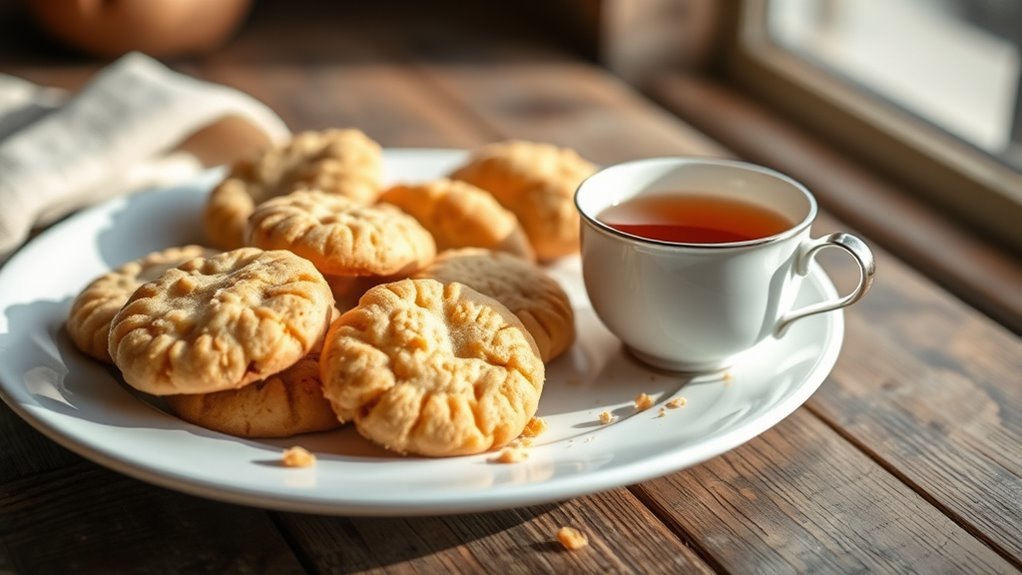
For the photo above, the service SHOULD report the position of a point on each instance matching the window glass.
(953, 63)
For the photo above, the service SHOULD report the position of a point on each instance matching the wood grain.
(931, 390)
(24, 451)
(347, 80)
(542, 94)
(802, 500)
(387, 106)
(624, 537)
(84, 519)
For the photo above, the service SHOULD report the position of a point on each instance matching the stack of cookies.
(416, 312)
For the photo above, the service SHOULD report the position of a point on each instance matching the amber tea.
(693, 218)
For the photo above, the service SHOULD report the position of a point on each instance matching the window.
(929, 58)
(926, 90)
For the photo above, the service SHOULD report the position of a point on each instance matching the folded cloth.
(135, 125)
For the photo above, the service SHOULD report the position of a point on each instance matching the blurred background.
(953, 63)
(924, 92)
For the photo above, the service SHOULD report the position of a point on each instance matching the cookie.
(537, 183)
(220, 322)
(285, 404)
(342, 162)
(459, 215)
(523, 287)
(88, 323)
(432, 369)
(340, 236)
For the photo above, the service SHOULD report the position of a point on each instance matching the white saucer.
(79, 403)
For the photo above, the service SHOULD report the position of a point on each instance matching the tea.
(693, 218)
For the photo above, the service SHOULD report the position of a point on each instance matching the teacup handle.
(867, 268)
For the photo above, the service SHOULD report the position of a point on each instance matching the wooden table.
(908, 459)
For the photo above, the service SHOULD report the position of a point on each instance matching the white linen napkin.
(128, 129)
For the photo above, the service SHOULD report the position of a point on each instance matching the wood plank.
(386, 105)
(541, 94)
(84, 519)
(930, 389)
(341, 53)
(335, 77)
(624, 537)
(802, 500)
(24, 451)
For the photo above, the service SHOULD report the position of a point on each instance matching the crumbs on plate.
(521, 442)
(677, 402)
(607, 417)
(643, 401)
(297, 456)
(510, 455)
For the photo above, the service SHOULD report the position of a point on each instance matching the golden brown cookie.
(432, 369)
(88, 323)
(340, 236)
(285, 404)
(342, 162)
(459, 215)
(220, 322)
(522, 286)
(537, 183)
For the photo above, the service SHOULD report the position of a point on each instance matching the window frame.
(928, 161)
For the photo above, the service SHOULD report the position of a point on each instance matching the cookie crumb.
(643, 401)
(727, 376)
(662, 412)
(607, 417)
(572, 538)
(510, 455)
(297, 456)
(535, 426)
(521, 442)
(677, 402)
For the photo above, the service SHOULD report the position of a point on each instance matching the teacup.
(695, 304)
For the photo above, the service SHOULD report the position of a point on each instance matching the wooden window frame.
(931, 163)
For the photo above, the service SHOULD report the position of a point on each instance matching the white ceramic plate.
(80, 404)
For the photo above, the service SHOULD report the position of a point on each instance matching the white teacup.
(695, 307)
